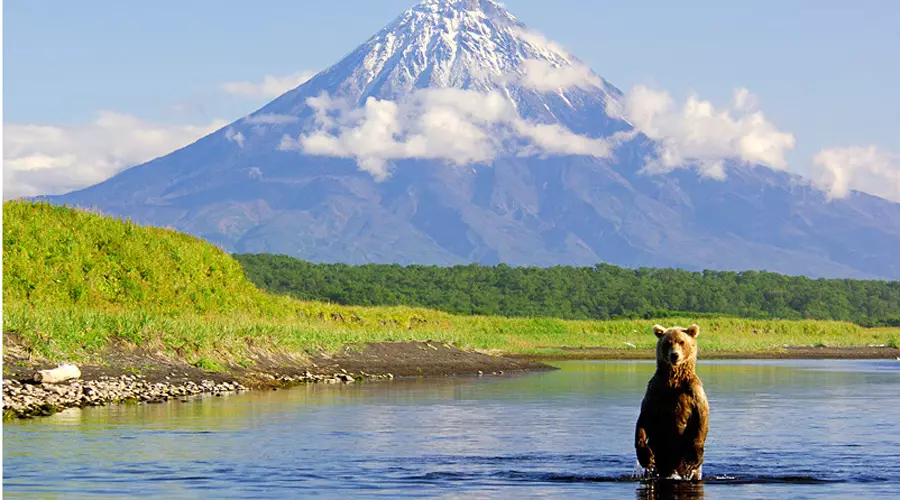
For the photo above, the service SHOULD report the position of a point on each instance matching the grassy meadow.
(75, 283)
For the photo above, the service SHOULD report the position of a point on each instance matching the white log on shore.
(59, 374)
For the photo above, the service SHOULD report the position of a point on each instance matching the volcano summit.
(456, 134)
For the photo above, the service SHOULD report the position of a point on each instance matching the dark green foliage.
(599, 292)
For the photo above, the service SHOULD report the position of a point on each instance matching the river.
(778, 429)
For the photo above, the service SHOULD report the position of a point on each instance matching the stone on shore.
(62, 373)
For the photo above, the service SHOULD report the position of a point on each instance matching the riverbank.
(130, 375)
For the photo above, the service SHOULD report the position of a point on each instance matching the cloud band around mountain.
(465, 127)
(454, 125)
(459, 126)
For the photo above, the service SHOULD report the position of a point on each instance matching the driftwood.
(59, 374)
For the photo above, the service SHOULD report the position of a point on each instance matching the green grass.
(75, 282)
(212, 341)
(55, 256)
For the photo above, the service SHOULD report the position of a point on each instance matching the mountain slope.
(444, 139)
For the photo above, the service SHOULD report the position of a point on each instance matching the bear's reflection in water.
(669, 490)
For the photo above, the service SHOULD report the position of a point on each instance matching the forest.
(600, 292)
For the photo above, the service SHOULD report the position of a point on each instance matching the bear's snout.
(674, 357)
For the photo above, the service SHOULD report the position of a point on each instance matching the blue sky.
(825, 71)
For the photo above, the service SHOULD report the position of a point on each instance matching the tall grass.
(75, 282)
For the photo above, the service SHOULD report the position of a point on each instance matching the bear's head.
(676, 345)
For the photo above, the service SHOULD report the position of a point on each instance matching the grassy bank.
(75, 283)
(214, 341)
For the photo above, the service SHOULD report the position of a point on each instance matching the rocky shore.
(26, 398)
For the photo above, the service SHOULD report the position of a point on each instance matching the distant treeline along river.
(599, 292)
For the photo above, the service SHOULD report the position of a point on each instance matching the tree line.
(600, 292)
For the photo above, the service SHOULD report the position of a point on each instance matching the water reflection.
(670, 490)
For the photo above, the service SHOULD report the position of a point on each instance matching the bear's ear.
(693, 331)
(658, 330)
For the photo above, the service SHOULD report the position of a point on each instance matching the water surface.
(799, 429)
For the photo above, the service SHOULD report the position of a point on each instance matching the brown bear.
(671, 429)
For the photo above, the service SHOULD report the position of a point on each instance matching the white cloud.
(271, 86)
(544, 76)
(45, 159)
(700, 135)
(554, 139)
(235, 137)
(270, 119)
(459, 126)
(869, 169)
(744, 100)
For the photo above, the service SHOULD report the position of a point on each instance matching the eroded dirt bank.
(132, 375)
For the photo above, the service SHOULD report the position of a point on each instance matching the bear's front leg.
(693, 458)
(644, 454)
(641, 447)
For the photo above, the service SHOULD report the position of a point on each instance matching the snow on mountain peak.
(486, 7)
(470, 44)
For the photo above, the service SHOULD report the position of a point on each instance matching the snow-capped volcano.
(457, 81)
(474, 45)
(457, 134)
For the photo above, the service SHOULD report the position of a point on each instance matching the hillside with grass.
(57, 257)
(75, 283)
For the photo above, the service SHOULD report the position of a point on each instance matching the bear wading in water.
(671, 430)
